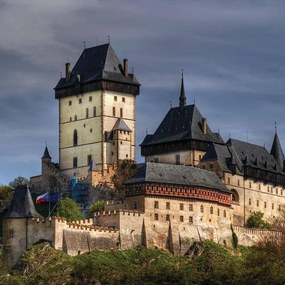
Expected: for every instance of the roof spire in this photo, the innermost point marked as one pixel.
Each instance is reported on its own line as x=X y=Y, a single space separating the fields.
x=182 y=98
x=46 y=153
x=276 y=149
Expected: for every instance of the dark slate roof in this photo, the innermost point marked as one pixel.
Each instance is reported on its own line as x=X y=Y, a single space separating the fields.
x=178 y=175
x=254 y=155
x=225 y=155
x=181 y=124
x=277 y=151
x=96 y=64
x=121 y=125
x=46 y=154
x=22 y=205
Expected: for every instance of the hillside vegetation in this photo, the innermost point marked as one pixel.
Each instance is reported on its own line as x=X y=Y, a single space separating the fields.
x=207 y=263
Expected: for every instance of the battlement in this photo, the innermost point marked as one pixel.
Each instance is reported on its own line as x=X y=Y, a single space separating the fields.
x=117 y=212
x=256 y=232
x=90 y=228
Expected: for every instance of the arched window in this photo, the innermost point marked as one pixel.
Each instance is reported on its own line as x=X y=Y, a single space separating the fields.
x=202 y=209
x=75 y=138
x=235 y=196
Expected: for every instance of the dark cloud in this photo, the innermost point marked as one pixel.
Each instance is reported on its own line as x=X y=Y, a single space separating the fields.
x=231 y=53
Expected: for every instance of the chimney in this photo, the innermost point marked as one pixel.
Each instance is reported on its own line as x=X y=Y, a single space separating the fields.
x=204 y=126
x=67 y=71
x=126 y=71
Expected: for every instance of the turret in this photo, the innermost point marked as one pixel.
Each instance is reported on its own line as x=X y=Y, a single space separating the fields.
x=182 y=98
x=276 y=150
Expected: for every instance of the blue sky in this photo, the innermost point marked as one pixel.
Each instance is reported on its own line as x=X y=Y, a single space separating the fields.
x=232 y=54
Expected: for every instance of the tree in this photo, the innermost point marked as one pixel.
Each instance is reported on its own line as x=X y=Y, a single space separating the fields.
x=256 y=221
x=69 y=210
x=6 y=193
x=99 y=206
x=18 y=181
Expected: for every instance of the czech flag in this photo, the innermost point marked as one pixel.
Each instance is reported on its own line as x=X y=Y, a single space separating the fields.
x=44 y=198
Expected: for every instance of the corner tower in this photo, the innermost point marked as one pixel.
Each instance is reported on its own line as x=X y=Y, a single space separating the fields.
x=92 y=97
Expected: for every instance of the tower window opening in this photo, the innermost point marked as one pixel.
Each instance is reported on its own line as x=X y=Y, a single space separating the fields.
x=114 y=111
x=74 y=162
x=75 y=138
x=69 y=103
x=121 y=112
x=90 y=98
x=87 y=113
x=89 y=159
x=94 y=111
x=80 y=101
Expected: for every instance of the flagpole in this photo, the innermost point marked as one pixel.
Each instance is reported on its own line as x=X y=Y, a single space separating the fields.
x=49 y=202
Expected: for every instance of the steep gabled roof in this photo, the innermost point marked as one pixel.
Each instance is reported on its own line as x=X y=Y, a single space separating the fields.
x=181 y=124
x=121 y=125
x=253 y=155
x=46 y=154
x=177 y=174
x=96 y=64
x=277 y=151
x=22 y=205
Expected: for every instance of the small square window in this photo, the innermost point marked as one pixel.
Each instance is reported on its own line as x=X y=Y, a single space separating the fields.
x=69 y=103
x=167 y=217
x=156 y=204
x=156 y=217
x=181 y=219
x=191 y=220
x=190 y=207
x=123 y=99
x=115 y=98
x=11 y=233
x=181 y=207
x=167 y=206
x=90 y=98
x=80 y=101
x=74 y=162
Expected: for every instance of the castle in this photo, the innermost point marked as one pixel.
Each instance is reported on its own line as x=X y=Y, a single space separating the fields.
x=192 y=186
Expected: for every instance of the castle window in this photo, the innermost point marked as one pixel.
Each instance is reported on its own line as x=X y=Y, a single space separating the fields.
x=259 y=187
x=121 y=112
x=75 y=138
x=265 y=205
x=167 y=206
x=211 y=166
x=69 y=103
x=127 y=155
x=202 y=209
x=181 y=219
x=267 y=188
x=249 y=184
x=80 y=101
x=191 y=220
x=123 y=99
x=279 y=208
x=272 y=206
x=87 y=113
x=156 y=217
x=229 y=180
x=89 y=159
x=94 y=111
x=249 y=201
x=115 y=98
x=257 y=203
x=218 y=212
x=238 y=182
x=177 y=159
x=70 y=119
x=211 y=210
x=225 y=214
x=135 y=204
x=167 y=217
x=90 y=98
x=90 y=130
x=181 y=206
x=114 y=111
x=75 y=117
x=156 y=159
x=74 y=162
x=121 y=142
x=11 y=233
x=156 y=204
x=277 y=191
x=190 y=207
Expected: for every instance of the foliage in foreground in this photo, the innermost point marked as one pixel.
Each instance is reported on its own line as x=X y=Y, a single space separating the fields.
x=256 y=221
x=69 y=209
x=215 y=265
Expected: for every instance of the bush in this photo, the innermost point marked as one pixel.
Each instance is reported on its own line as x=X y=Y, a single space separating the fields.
x=99 y=206
x=69 y=210
x=256 y=221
